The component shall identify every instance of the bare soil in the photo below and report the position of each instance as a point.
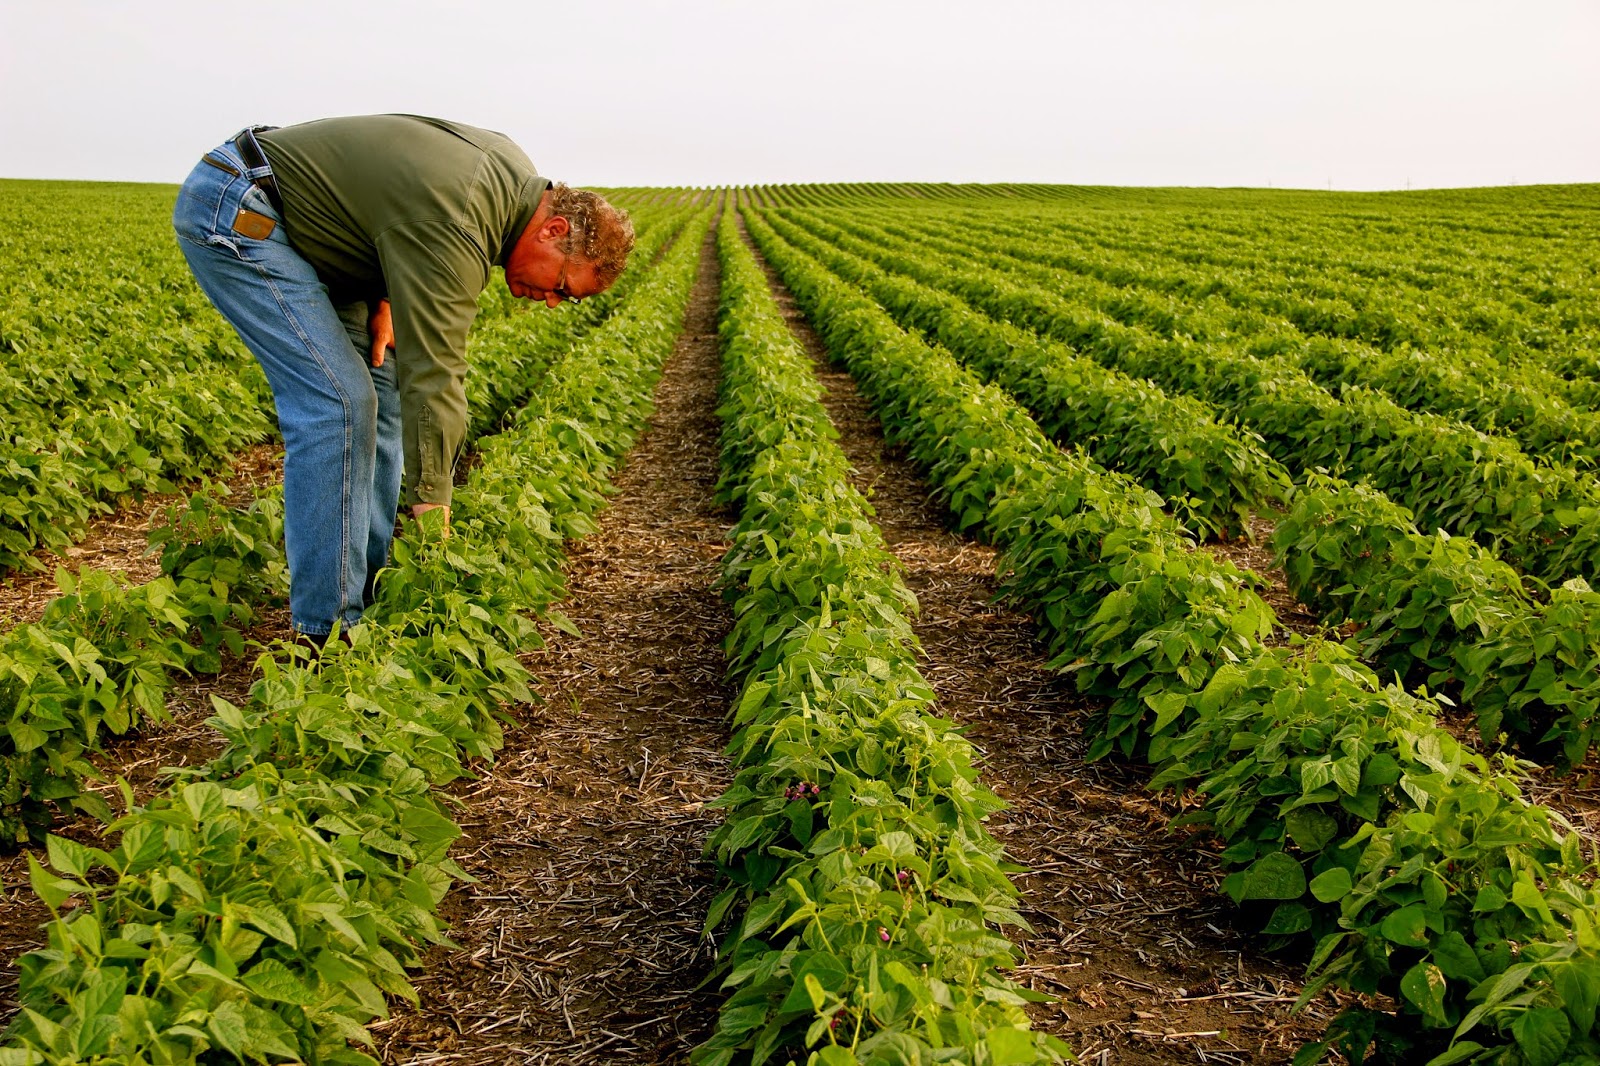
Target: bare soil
(1254, 554)
(581, 942)
(1131, 936)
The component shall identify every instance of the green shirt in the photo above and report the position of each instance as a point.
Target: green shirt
(418, 210)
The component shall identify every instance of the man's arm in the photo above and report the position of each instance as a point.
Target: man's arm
(380, 326)
(434, 274)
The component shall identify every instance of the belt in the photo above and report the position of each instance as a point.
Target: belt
(257, 168)
(254, 158)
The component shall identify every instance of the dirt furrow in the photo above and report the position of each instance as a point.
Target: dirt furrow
(116, 541)
(581, 942)
(1131, 935)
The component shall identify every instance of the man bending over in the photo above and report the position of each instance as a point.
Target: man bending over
(331, 244)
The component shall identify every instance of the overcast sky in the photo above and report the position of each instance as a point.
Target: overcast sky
(1352, 93)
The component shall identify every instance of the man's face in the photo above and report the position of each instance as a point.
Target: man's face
(537, 268)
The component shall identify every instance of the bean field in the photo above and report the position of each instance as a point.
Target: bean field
(895, 624)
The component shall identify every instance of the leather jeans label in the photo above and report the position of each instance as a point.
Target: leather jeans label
(255, 226)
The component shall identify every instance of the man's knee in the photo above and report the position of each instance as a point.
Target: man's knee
(352, 415)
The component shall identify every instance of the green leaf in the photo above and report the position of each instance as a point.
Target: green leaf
(1459, 1052)
(1311, 1054)
(719, 908)
(1167, 705)
(818, 970)
(69, 856)
(1288, 918)
(1542, 1033)
(1274, 876)
(1381, 769)
(1310, 829)
(271, 979)
(227, 1026)
(1011, 1047)
(228, 714)
(1423, 986)
(204, 800)
(53, 1035)
(268, 919)
(1406, 926)
(563, 623)
(901, 846)
(1532, 902)
(762, 913)
(53, 890)
(1456, 958)
(1331, 885)
(833, 1055)
(1347, 774)
(815, 992)
(1489, 899)
(27, 736)
(269, 1034)
(1578, 993)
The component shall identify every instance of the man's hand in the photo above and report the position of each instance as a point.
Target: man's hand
(418, 509)
(380, 324)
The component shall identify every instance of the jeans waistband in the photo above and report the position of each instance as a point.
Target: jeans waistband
(257, 167)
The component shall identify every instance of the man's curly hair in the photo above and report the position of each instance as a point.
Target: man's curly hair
(598, 233)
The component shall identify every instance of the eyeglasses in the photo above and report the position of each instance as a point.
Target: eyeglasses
(561, 286)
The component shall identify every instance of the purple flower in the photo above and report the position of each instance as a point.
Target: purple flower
(883, 934)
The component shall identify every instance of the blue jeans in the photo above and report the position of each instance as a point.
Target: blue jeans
(339, 416)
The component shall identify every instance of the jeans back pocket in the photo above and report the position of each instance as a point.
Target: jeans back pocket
(256, 200)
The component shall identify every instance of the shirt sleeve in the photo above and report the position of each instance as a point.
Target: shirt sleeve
(433, 272)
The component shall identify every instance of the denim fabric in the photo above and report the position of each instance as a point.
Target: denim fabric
(340, 418)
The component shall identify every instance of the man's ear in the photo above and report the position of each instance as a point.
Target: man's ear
(554, 228)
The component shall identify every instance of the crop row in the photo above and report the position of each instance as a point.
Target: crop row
(864, 884)
(1440, 610)
(265, 906)
(1434, 609)
(1405, 863)
(1522, 267)
(1453, 373)
(1342, 276)
(115, 374)
(102, 656)
(1543, 519)
(1444, 611)
(1213, 474)
(1210, 304)
(58, 472)
(85, 330)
